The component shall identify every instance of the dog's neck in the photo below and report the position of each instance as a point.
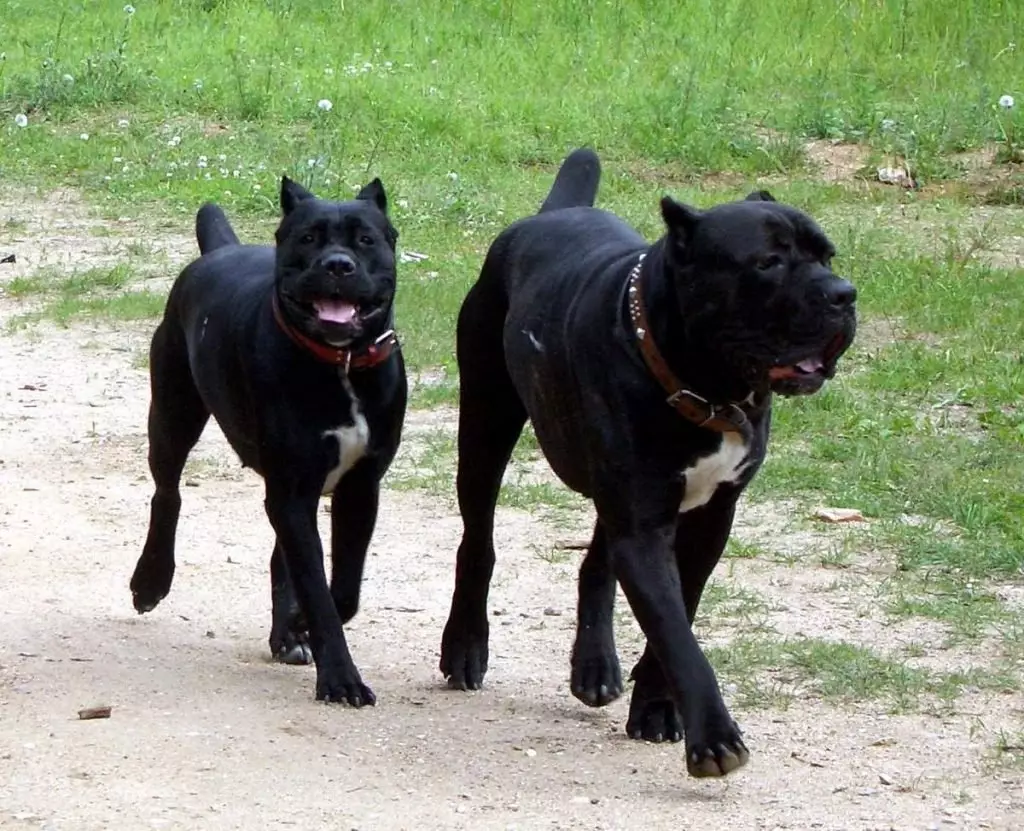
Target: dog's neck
(699, 366)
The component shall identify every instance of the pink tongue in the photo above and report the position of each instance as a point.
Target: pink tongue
(335, 311)
(810, 365)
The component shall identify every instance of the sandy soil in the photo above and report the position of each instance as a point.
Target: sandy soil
(207, 733)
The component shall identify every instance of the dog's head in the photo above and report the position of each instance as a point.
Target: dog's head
(755, 282)
(335, 277)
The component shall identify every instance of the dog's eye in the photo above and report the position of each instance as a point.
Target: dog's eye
(307, 239)
(366, 239)
(769, 262)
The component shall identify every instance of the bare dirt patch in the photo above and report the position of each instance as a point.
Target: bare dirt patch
(205, 732)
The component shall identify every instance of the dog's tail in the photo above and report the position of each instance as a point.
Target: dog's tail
(576, 183)
(213, 230)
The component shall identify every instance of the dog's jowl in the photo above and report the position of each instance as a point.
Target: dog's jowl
(648, 373)
(292, 350)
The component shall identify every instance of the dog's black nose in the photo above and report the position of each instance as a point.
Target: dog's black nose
(340, 264)
(841, 293)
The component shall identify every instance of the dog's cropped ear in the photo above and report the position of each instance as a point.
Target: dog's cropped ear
(679, 219)
(759, 196)
(292, 193)
(374, 192)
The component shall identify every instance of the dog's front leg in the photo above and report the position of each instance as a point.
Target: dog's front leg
(293, 515)
(645, 565)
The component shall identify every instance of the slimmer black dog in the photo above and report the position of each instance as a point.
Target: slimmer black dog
(648, 373)
(292, 350)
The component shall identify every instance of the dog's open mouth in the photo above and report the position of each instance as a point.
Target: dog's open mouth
(808, 374)
(808, 366)
(342, 312)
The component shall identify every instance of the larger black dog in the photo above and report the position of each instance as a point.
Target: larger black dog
(581, 326)
(292, 350)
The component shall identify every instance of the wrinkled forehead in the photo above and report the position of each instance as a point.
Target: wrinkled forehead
(336, 217)
(747, 230)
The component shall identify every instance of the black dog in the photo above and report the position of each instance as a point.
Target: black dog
(579, 325)
(292, 350)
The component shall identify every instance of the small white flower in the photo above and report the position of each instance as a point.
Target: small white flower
(68, 79)
(84, 137)
(888, 124)
(453, 176)
(118, 160)
(1006, 102)
(328, 71)
(174, 142)
(325, 105)
(257, 187)
(222, 157)
(123, 123)
(403, 203)
(202, 161)
(21, 120)
(310, 162)
(129, 10)
(198, 84)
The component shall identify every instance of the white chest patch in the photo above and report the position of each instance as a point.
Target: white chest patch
(703, 477)
(352, 442)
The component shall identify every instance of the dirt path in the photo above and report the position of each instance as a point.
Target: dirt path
(207, 733)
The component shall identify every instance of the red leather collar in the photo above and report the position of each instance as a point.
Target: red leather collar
(370, 356)
(730, 417)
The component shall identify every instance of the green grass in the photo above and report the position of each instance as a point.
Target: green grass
(773, 672)
(96, 293)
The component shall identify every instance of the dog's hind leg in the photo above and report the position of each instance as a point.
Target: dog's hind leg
(491, 417)
(596, 676)
(701, 535)
(177, 417)
(289, 630)
(354, 507)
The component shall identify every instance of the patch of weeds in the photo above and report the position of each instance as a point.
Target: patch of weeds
(1008, 751)
(553, 554)
(834, 671)
(426, 462)
(739, 605)
(969, 609)
(533, 496)
(739, 549)
(94, 293)
(436, 394)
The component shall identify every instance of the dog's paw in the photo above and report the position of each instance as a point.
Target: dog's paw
(654, 720)
(291, 648)
(463, 657)
(151, 582)
(717, 753)
(342, 688)
(596, 679)
(289, 634)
